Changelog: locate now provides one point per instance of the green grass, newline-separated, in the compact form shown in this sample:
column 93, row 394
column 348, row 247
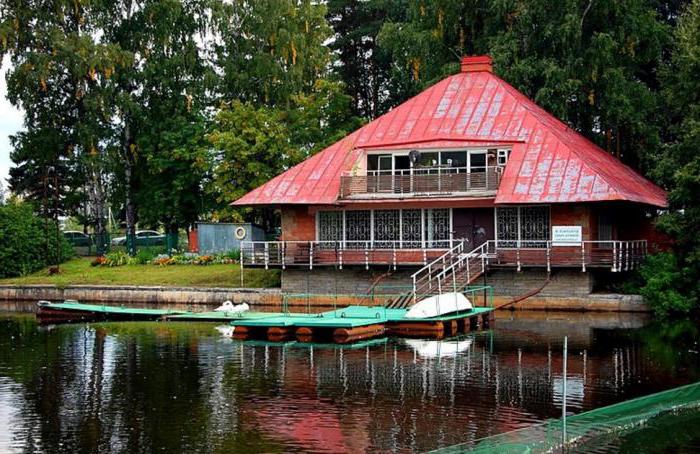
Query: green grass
column 78, row 271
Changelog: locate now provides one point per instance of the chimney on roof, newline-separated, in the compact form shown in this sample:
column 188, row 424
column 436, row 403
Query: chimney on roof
column 476, row 63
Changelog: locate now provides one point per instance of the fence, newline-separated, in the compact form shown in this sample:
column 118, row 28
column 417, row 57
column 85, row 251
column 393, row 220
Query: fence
column 584, row 429
column 93, row 244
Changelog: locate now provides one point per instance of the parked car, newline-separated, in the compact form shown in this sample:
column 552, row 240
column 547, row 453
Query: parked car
column 78, row 239
column 143, row 238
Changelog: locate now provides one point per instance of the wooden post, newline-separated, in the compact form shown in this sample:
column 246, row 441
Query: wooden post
column 311, row 255
column 267, row 254
column 583, row 256
column 284, row 253
column 366, row 256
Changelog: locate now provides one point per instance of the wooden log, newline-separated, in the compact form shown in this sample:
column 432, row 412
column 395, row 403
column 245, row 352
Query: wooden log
column 345, row 335
column 417, row 329
column 304, row 334
column 279, row 333
column 451, row 327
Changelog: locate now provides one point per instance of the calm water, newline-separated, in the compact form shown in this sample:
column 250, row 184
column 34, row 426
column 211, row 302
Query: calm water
column 183, row 387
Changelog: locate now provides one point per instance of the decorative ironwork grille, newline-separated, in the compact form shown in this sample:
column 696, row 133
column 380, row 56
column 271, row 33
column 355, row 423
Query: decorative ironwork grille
column 437, row 228
column 386, row 228
column 358, row 225
column 411, row 227
column 534, row 226
column 522, row 226
column 507, row 226
column 330, row 225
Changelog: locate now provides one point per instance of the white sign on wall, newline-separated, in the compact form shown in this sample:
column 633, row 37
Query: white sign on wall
column 567, row 235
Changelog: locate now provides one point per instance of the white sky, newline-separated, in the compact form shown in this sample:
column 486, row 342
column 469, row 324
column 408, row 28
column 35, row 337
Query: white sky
column 10, row 123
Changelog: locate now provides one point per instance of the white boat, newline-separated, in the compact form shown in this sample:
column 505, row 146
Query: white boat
column 438, row 305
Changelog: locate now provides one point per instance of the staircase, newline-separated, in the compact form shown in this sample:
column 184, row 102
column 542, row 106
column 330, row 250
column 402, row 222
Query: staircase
column 451, row 272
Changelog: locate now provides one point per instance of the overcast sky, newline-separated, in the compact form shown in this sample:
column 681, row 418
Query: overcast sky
column 10, row 123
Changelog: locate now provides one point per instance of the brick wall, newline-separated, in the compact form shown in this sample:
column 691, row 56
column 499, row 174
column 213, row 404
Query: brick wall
column 348, row 281
column 357, row 280
column 298, row 224
column 574, row 214
column 563, row 282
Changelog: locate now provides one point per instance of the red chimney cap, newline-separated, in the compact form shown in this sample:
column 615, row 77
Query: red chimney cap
column 476, row 63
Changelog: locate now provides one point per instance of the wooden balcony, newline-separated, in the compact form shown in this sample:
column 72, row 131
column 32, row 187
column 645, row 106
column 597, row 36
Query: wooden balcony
column 613, row 255
column 421, row 182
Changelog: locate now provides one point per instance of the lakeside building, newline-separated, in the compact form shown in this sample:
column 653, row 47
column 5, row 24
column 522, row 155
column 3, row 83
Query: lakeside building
column 468, row 176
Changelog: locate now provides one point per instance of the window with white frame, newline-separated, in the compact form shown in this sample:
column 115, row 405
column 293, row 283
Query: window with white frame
column 437, row 228
column 522, row 226
column 330, row 226
column 411, row 228
column 386, row 228
column 358, row 225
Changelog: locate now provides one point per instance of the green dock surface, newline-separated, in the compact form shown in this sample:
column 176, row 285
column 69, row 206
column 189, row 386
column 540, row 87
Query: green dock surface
column 349, row 317
column 104, row 309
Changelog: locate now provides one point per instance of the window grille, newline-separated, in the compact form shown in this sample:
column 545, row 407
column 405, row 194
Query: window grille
column 358, row 225
column 526, row 226
column 437, row 228
column 330, row 226
column 386, row 228
column 411, row 227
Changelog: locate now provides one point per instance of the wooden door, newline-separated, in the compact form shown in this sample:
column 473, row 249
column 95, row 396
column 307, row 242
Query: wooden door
column 475, row 225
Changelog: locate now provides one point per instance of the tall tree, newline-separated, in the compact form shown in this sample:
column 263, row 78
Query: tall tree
column 673, row 283
column 269, row 50
column 59, row 76
column 361, row 64
column 591, row 63
column 161, row 99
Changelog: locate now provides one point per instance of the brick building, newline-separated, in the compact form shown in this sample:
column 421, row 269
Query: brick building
column 468, row 175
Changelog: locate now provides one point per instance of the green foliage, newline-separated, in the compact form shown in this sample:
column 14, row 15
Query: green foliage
column 271, row 50
column 28, row 242
column 663, row 286
column 678, row 169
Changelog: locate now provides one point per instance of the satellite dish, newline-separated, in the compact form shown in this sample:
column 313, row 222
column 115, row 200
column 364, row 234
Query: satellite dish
column 414, row 156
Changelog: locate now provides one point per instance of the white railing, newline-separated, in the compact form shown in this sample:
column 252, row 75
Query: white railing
column 310, row 253
column 618, row 255
column 435, row 256
column 456, row 266
column 422, row 180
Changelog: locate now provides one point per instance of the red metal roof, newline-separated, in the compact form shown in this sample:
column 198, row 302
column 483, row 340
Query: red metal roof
column 549, row 162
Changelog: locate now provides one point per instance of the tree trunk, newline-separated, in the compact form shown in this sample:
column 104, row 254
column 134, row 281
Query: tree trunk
column 97, row 200
column 130, row 207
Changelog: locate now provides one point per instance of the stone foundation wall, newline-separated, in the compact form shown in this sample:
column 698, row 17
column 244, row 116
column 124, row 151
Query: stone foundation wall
column 134, row 294
column 563, row 282
column 348, row 281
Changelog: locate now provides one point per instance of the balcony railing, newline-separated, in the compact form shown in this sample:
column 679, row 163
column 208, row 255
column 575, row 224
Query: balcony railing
column 615, row 255
column 422, row 181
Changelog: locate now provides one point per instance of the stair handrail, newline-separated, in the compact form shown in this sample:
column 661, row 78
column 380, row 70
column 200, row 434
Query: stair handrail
column 457, row 258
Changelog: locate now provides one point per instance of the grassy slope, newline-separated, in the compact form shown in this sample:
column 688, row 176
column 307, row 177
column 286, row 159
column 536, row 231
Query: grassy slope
column 79, row 271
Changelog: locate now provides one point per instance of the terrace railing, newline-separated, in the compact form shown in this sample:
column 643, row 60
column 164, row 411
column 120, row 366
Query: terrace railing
column 617, row 255
column 422, row 181
column 436, row 256
column 313, row 253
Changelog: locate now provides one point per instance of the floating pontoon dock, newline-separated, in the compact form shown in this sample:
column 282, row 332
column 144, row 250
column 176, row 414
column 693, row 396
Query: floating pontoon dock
column 341, row 325
column 73, row 311
column 358, row 322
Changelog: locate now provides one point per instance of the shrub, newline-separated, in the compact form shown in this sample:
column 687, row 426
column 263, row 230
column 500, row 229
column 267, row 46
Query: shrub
column 662, row 280
column 116, row 258
column 27, row 241
column 144, row 256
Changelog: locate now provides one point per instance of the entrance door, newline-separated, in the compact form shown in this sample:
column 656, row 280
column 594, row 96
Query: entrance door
column 475, row 225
